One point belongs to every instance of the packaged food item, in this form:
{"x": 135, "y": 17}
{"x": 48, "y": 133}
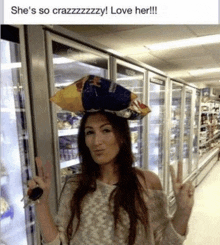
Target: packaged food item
{"x": 4, "y": 206}
{"x": 205, "y": 108}
{"x": 93, "y": 93}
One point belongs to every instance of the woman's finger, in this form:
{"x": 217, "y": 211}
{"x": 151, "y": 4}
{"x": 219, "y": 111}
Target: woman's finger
{"x": 39, "y": 181}
{"x": 188, "y": 188}
{"x": 39, "y": 167}
{"x": 47, "y": 171}
{"x": 180, "y": 173}
{"x": 191, "y": 191}
{"x": 32, "y": 184}
{"x": 173, "y": 176}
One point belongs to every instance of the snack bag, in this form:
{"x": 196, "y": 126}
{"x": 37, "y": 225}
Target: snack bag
{"x": 93, "y": 93}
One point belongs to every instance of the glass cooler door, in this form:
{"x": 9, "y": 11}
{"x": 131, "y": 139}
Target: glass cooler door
{"x": 187, "y": 133}
{"x": 156, "y": 126}
{"x": 132, "y": 78}
{"x": 70, "y": 62}
{"x": 17, "y": 225}
{"x": 175, "y": 126}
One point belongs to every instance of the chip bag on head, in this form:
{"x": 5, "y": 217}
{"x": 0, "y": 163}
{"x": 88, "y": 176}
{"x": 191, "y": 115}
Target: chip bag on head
{"x": 93, "y": 93}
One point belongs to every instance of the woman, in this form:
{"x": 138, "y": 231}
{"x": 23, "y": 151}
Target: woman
{"x": 111, "y": 202}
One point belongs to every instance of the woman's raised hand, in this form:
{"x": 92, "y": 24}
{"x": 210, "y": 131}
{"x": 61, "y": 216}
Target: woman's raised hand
{"x": 43, "y": 180}
{"x": 184, "y": 193}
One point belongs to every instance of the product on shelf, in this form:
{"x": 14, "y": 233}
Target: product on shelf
{"x": 3, "y": 169}
{"x": 67, "y": 120}
{"x": 64, "y": 125}
{"x": 4, "y": 206}
{"x": 5, "y": 209}
{"x": 205, "y": 108}
{"x": 134, "y": 137}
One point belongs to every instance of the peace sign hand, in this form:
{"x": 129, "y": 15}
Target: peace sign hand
{"x": 184, "y": 193}
{"x": 43, "y": 180}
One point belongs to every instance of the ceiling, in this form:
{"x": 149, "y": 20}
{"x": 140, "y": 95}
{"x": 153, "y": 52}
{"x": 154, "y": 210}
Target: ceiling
{"x": 129, "y": 41}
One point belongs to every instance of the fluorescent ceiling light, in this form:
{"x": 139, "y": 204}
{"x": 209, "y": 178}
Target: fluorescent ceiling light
{"x": 62, "y": 60}
{"x": 140, "y": 77}
{"x": 63, "y": 84}
{"x": 204, "y": 71}
{"x": 185, "y": 43}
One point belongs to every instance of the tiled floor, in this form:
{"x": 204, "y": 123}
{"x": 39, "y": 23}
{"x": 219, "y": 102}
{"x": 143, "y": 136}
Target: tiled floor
{"x": 204, "y": 225}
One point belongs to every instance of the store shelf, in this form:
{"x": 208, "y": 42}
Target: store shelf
{"x": 216, "y": 136}
{"x": 134, "y": 124}
{"x": 204, "y": 125}
{"x": 70, "y": 163}
{"x": 208, "y": 155}
{"x": 208, "y": 125}
{"x": 9, "y": 110}
{"x": 66, "y": 132}
{"x": 209, "y": 112}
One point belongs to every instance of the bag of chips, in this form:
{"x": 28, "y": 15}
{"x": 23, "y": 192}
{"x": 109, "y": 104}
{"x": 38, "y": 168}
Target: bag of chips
{"x": 93, "y": 93}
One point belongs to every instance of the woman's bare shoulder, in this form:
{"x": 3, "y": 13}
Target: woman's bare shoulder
{"x": 72, "y": 181}
{"x": 148, "y": 179}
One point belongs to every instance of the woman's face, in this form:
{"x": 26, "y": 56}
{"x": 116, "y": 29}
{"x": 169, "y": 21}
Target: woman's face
{"x": 100, "y": 139}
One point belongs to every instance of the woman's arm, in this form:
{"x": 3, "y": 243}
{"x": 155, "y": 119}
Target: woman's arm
{"x": 180, "y": 222}
{"x": 184, "y": 204}
{"x": 47, "y": 226}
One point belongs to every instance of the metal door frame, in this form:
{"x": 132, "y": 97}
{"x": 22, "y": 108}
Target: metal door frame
{"x": 192, "y": 113}
{"x": 24, "y": 79}
{"x": 39, "y": 93}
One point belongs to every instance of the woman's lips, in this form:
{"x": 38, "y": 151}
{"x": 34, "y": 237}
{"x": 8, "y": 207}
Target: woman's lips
{"x": 99, "y": 152}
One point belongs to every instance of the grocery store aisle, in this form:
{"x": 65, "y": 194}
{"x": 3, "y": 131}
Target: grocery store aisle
{"x": 205, "y": 220}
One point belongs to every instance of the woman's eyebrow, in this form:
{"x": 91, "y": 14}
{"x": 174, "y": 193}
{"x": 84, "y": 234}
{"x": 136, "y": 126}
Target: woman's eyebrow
{"x": 88, "y": 127}
{"x": 103, "y": 125}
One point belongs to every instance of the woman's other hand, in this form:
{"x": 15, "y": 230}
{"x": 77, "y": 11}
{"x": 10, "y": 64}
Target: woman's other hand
{"x": 43, "y": 180}
{"x": 184, "y": 194}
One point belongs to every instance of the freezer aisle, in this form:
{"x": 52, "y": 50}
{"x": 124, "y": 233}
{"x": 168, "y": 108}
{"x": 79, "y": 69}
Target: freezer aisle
{"x": 205, "y": 219}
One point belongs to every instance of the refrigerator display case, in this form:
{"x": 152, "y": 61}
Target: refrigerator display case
{"x": 184, "y": 129}
{"x": 209, "y": 128}
{"x": 209, "y": 139}
{"x": 156, "y": 125}
{"x": 17, "y": 224}
{"x": 132, "y": 78}
{"x": 70, "y": 61}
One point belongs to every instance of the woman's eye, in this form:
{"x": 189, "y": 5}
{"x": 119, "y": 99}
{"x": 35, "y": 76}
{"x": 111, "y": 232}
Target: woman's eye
{"x": 88, "y": 132}
{"x": 106, "y": 130}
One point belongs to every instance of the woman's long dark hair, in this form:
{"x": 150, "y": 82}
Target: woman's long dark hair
{"x": 127, "y": 194}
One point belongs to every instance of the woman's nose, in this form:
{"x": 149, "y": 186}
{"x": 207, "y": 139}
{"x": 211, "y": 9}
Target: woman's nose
{"x": 98, "y": 139}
